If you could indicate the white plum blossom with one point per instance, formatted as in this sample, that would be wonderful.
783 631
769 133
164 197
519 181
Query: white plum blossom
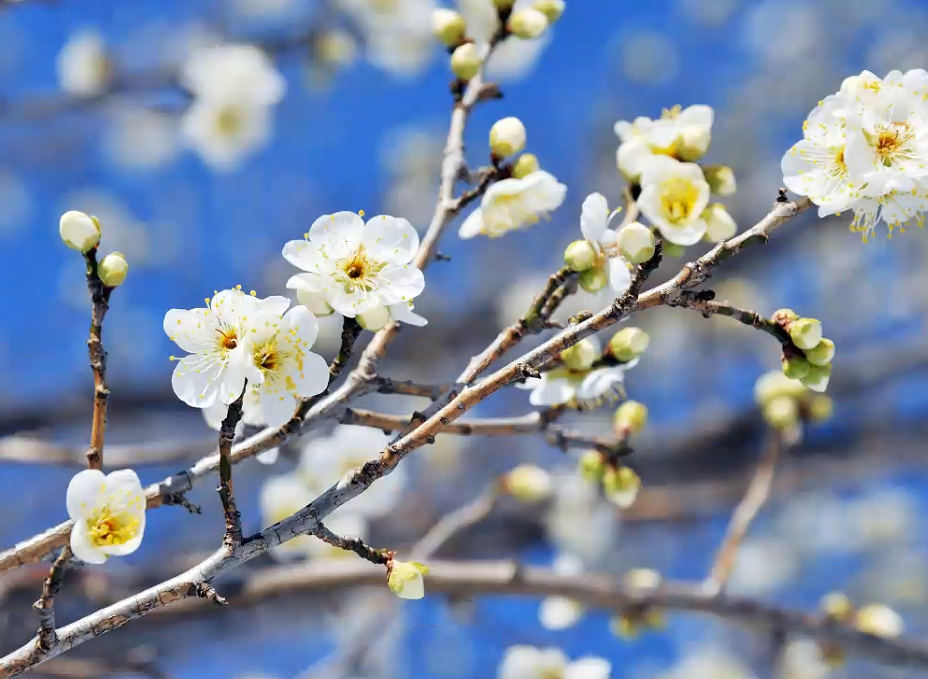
108 511
594 224
84 69
327 460
235 88
514 203
356 267
679 133
578 388
529 662
865 149
559 612
673 197
213 337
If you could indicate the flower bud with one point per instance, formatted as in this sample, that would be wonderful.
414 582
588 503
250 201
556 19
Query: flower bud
694 142
336 48
820 408
527 23
636 243
580 255
817 379
374 319
630 417
719 223
405 579
821 353
592 466
525 165
721 179
837 606
448 26
465 61
673 250
112 269
593 279
314 301
629 343
552 9
795 367
879 620
507 137
775 384
782 413
806 333
580 356
79 231
785 315
528 483
621 486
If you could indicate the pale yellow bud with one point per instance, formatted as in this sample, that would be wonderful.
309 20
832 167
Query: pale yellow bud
782 413
721 180
817 379
775 384
621 486
636 243
592 466
552 9
822 353
448 26
528 483
112 269
837 605
375 319
694 143
406 579
630 417
720 226
507 137
525 165
79 231
879 620
629 343
820 408
465 61
593 279
580 255
806 333
527 24
795 367
314 301
580 356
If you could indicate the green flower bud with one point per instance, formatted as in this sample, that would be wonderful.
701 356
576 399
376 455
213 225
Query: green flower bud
592 466
527 24
507 137
528 483
375 319
448 26
775 384
593 279
630 417
552 9
721 180
782 413
795 367
822 353
580 255
405 579
636 243
820 408
673 250
817 379
525 165
465 61
580 356
79 231
806 333
112 269
629 343
621 486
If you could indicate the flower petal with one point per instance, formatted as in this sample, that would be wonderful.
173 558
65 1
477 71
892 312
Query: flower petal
403 313
594 217
473 225
619 275
193 330
83 490
342 229
268 456
82 547
277 407
391 239
196 380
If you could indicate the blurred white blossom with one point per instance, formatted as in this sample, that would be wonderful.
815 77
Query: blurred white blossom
558 612
528 662
512 59
84 69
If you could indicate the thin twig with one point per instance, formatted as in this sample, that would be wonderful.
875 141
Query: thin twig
356 545
460 519
385 385
757 493
45 606
233 518
100 299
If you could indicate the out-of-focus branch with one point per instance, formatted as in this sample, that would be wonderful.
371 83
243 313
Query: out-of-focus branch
460 519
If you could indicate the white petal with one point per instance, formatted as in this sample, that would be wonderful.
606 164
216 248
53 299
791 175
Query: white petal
341 228
302 254
594 217
269 456
520 662
599 383
403 313
589 668
619 275
552 392
215 414
275 304
401 284
81 498
193 330
196 380
559 613
277 407
82 547
314 376
300 325
473 225
391 239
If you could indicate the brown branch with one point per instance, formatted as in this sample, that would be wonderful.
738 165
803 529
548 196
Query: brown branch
757 493
356 545
100 298
385 385
233 518
703 302
45 606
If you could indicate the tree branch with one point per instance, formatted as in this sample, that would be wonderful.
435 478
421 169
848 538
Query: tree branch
233 518
100 298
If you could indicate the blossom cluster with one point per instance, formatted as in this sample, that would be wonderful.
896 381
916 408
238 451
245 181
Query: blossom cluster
865 149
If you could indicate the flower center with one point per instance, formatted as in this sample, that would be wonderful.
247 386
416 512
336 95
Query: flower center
678 196
268 358
107 528
891 140
552 673
359 271
671 113
228 338
228 121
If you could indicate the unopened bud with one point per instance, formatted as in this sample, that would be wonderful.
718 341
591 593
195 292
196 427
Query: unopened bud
785 315
580 356
527 24
580 255
112 269
721 179
630 417
806 333
448 26
465 61
314 301
837 606
820 408
629 343
592 466
621 486
406 579
795 367
822 353
593 279
694 142
636 243
879 620
79 231
528 483
507 137
525 165
552 9
782 413
720 226
673 250
775 384
817 379
375 319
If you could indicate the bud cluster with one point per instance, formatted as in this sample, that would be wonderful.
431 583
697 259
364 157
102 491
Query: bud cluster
785 402
81 232
811 364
